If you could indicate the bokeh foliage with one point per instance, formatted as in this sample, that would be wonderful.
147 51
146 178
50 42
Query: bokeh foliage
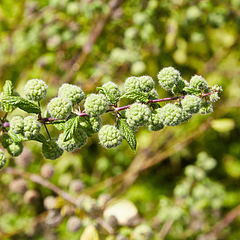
50 40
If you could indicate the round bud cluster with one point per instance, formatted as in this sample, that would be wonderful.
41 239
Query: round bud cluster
74 224
113 91
35 89
131 84
51 150
96 104
171 115
71 92
15 149
191 104
198 82
31 127
155 122
6 140
143 83
142 232
168 77
75 142
146 83
206 107
47 170
59 107
110 136
16 124
137 115
3 159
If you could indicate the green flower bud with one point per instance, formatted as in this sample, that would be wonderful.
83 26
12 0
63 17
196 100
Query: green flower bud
6 140
16 124
113 91
198 82
96 104
155 122
132 84
59 107
15 149
31 127
191 103
51 150
35 89
74 142
137 115
171 115
110 136
3 159
206 107
71 92
142 232
146 83
214 97
168 77
186 116
153 94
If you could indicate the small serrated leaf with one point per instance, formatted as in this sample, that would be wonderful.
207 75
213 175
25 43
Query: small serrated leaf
22 103
71 127
137 95
16 137
59 125
127 133
107 93
40 138
8 88
190 90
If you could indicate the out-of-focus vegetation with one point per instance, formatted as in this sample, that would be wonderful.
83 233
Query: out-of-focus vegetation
172 179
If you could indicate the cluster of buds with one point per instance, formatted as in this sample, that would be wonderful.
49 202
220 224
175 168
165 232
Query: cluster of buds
64 111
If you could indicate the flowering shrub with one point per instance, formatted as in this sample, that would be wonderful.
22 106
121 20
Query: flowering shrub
64 112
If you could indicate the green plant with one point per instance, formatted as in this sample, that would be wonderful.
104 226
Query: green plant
76 125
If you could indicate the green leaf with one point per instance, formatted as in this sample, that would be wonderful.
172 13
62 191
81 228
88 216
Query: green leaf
71 127
21 103
127 133
8 88
40 138
16 137
193 91
137 95
59 125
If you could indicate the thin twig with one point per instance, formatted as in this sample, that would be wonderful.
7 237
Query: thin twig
227 220
165 229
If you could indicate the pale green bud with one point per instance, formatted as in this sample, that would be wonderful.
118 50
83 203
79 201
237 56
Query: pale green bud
35 89
110 136
59 108
71 92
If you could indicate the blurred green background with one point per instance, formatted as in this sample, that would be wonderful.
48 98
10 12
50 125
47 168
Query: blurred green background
89 42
